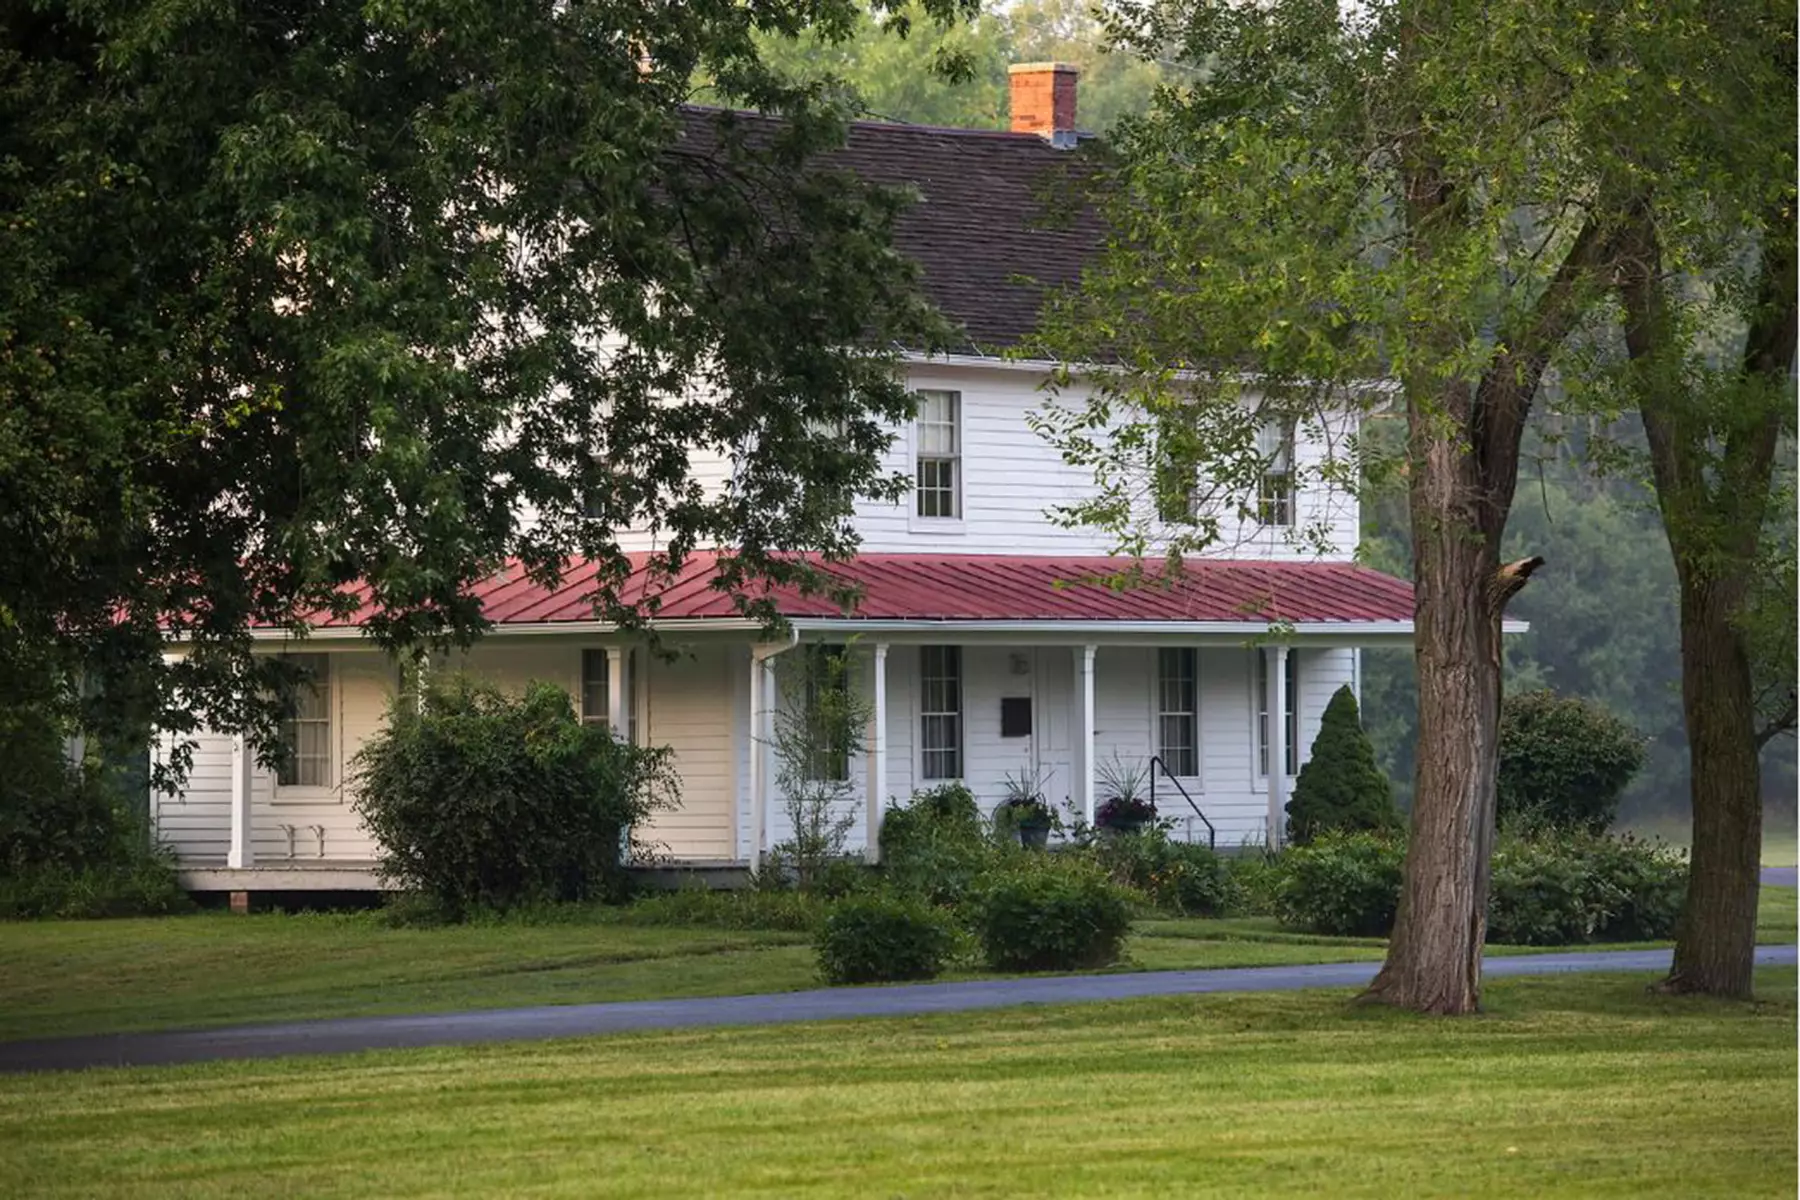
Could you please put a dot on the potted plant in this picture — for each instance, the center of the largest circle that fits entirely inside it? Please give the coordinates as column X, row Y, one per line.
column 1124, row 807
column 1025, row 810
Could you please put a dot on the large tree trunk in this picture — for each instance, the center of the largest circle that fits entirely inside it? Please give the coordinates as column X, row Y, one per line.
column 1460, row 592
column 1715, row 946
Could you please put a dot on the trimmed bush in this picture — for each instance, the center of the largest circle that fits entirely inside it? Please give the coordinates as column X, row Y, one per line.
column 883, row 939
column 1346, row 884
column 1564, row 763
column 1563, row 889
column 1178, row 877
column 1340, row 787
column 482, row 800
column 937, row 846
column 1057, row 916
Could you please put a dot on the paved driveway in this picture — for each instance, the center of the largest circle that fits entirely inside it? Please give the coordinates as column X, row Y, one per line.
column 1779, row 876
column 579, row 1020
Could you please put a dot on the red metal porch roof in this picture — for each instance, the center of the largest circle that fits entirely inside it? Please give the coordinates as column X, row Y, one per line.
column 984, row 587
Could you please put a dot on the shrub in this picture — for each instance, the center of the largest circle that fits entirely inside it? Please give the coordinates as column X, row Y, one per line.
column 883, row 939
column 1346, row 884
column 1177, row 876
column 70, row 844
column 749, row 909
column 1051, row 916
column 1564, row 762
column 1256, row 877
column 1340, row 787
column 1562, row 890
column 483, row 800
column 937, row 846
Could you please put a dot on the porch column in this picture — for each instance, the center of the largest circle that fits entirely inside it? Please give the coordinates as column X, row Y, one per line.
column 878, row 757
column 242, row 851
column 615, row 690
column 1084, row 779
column 1277, row 666
column 758, row 799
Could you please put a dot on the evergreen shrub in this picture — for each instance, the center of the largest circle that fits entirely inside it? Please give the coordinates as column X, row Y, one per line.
column 1340, row 787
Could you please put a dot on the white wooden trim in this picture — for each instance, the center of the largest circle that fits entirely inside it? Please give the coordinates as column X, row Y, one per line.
column 242, row 847
column 615, row 690
column 1084, row 682
column 878, row 766
column 1277, row 778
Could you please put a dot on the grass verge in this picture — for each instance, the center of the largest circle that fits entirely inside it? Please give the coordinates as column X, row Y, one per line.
column 1568, row 1086
column 73, row 977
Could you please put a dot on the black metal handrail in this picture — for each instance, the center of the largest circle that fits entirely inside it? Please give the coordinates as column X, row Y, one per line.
column 1157, row 764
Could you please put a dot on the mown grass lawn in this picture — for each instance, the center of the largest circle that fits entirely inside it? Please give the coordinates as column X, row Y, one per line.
column 1583, row 1086
column 71, row 977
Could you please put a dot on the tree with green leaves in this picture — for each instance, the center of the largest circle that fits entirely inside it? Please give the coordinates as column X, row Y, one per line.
column 318, row 307
column 1707, row 293
column 1393, row 193
column 1339, row 786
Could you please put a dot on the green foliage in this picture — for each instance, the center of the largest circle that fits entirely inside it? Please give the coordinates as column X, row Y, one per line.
column 1345, row 884
column 726, row 909
column 937, row 846
column 1340, row 787
column 482, row 800
column 819, row 725
column 143, row 885
column 956, row 75
column 1564, row 762
column 1178, row 877
column 883, row 939
column 1562, row 890
column 305, row 295
column 1051, row 913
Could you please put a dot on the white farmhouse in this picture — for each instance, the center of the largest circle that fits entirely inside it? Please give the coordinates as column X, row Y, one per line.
column 981, row 650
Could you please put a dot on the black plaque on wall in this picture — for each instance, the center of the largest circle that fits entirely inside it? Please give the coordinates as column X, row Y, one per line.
column 1015, row 716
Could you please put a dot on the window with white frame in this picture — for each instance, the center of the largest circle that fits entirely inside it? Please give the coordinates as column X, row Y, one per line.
column 938, row 453
column 1292, row 712
column 1176, row 484
column 1178, row 711
column 306, row 730
column 940, row 712
column 596, row 695
column 1275, row 488
column 827, row 691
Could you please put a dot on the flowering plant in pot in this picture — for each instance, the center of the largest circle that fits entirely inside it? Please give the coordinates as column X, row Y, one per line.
column 1025, row 810
column 1124, row 807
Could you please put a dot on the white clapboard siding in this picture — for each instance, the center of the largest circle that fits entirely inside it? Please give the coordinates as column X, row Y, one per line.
column 691, row 711
column 1011, row 478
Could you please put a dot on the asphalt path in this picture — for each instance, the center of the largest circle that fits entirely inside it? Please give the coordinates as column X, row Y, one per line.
column 354, row 1034
column 1779, row 876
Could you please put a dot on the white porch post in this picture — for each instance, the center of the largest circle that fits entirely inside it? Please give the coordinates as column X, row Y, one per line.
column 878, row 757
column 242, row 850
column 1277, row 667
column 615, row 690
column 1084, row 779
column 758, row 798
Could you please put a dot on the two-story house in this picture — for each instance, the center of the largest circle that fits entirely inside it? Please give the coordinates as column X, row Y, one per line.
column 979, row 648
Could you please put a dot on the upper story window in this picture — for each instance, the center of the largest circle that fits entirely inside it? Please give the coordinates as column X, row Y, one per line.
column 940, row 712
column 1275, row 490
column 1291, row 713
column 1178, row 711
column 306, row 730
column 937, row 477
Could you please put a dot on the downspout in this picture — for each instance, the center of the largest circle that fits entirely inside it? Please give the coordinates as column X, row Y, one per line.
column 762, row 708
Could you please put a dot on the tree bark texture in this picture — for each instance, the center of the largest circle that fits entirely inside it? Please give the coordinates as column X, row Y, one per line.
column 1715, row 943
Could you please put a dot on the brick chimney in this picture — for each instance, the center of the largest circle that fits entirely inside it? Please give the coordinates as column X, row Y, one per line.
column 1043, row 101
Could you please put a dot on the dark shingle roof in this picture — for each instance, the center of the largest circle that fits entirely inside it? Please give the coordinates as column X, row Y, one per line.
column 999, row 221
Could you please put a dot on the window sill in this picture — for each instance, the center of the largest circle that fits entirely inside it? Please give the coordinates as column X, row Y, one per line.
column 944, row 526
column 307, row 795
